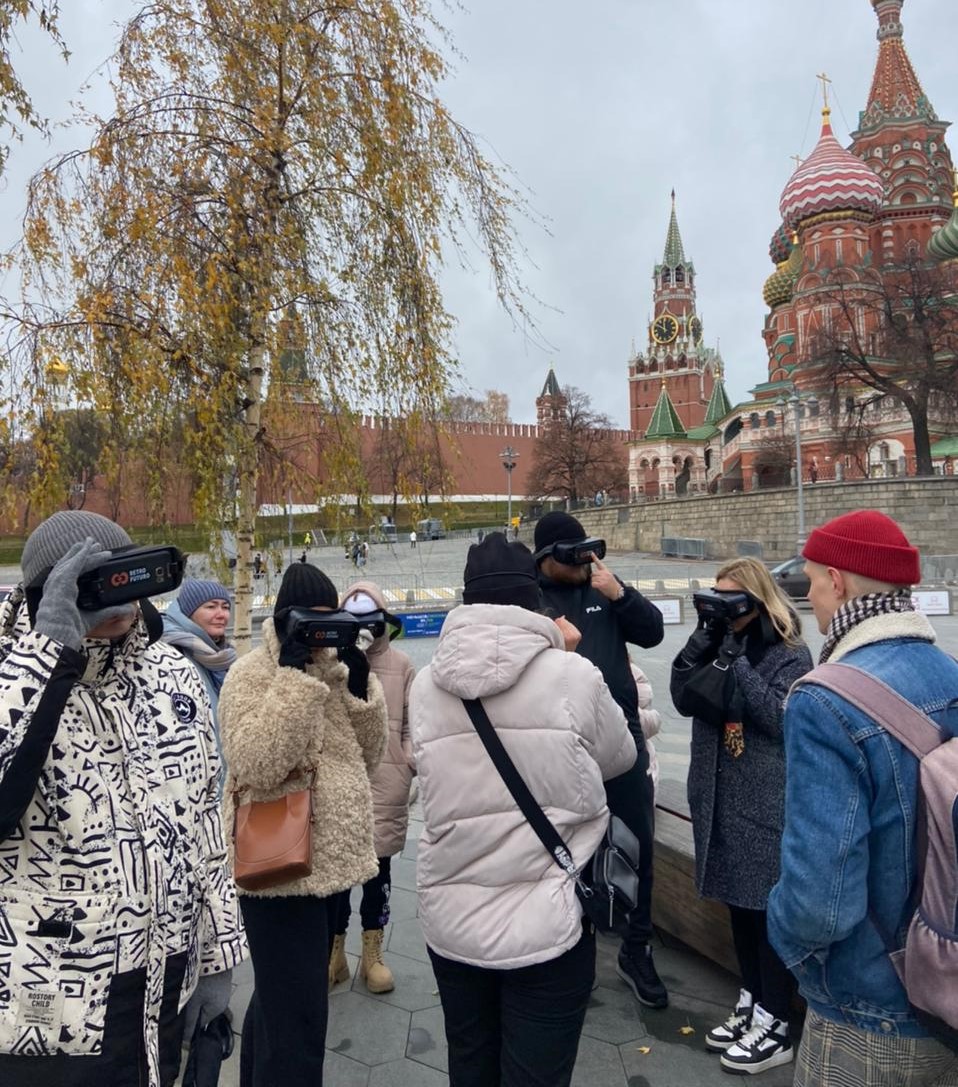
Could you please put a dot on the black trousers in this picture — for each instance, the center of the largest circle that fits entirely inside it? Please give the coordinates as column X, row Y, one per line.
column 122, row 1062
column 763, row 973
column 284, row 1032
column 631, row 797
column 515, row 1028
column 374, row 908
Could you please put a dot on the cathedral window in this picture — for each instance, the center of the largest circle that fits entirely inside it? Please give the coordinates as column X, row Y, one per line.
column 680, row 274
column 754, row 421
column 666, row 277
column 813, row 409
column 849, row 405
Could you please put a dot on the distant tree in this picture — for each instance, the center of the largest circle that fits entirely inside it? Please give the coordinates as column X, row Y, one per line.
column 16, row 106
column 576, row 456
column 463, row 408
column 261, row 156
column 896, row 334
column 83, row 433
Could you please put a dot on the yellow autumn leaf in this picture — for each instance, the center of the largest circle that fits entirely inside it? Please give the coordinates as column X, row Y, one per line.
column 645, row 1050
column 687, row 1029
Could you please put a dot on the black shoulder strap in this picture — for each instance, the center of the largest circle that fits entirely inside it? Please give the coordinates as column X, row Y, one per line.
column 536, row 817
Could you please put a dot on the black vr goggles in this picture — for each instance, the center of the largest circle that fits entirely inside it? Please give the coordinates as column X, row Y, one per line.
column 331, row 629
column 127, row 574
column 722, row 605
column 573, row 553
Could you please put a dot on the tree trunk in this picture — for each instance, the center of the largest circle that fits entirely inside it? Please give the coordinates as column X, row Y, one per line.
column 248, row 473
column 919, row 424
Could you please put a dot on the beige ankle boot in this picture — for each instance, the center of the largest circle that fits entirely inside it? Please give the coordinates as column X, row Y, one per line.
column 377, row 975
column 338, row 965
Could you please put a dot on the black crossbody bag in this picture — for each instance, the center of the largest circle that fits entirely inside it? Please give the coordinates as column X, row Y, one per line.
column 608, row 885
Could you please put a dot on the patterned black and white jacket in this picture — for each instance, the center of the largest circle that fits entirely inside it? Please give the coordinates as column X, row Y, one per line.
column 112, row 853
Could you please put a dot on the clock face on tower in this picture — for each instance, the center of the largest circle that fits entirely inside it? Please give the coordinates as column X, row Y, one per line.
column 665, row 328
column 695, row 330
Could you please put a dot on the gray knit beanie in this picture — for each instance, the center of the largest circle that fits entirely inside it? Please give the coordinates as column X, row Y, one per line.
column 54, row 537
column 194, row 592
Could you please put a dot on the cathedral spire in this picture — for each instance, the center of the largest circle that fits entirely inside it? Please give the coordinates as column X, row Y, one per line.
column 665, row 422
column 674, row 250
column 896, row 93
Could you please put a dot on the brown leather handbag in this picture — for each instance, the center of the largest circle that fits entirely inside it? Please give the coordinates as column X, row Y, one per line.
column 273, row 839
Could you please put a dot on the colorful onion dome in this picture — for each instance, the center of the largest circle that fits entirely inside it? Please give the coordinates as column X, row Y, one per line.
column 831, row 179
column 781, row 245
column 943, row 244
column 780, row 284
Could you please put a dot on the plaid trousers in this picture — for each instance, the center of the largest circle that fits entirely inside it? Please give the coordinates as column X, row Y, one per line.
column 838, row 1055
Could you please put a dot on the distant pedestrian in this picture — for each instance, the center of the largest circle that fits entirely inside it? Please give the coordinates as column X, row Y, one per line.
column 736, row 791
column 479, row 535
column 302, row 558
column 257, row 565
column 308, row 540
column 412, row 538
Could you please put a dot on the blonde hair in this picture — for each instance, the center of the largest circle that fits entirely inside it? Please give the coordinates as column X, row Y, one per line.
column 756, row 580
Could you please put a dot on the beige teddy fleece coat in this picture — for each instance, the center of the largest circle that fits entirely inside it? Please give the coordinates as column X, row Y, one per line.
column 274, row 720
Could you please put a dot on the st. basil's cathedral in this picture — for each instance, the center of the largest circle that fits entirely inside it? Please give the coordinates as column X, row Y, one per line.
column 852, row 217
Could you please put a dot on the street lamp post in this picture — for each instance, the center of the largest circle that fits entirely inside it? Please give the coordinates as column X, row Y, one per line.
column 795, row 402
column 508, row 457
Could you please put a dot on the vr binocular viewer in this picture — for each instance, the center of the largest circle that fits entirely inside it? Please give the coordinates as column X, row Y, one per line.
column 722, row 605
column 579, row 553
column 130, row 573
column 331, row 629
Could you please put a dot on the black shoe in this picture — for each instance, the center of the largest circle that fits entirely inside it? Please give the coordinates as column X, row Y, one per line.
column 638, row 972
column 734, row 1028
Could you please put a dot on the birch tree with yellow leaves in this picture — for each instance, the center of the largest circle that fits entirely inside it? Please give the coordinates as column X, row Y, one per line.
column 264, row 157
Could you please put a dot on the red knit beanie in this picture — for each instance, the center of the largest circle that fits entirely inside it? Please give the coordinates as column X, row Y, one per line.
column 867, row 543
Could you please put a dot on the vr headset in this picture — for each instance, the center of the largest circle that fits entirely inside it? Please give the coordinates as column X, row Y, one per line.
column 331, row 629
column 128, row 574
column 722, row 605
column 578, row 553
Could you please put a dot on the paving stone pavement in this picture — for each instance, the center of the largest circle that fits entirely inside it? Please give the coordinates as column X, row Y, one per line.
column 397, row 1040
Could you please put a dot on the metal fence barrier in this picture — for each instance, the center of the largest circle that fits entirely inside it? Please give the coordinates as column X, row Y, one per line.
column 684, row 548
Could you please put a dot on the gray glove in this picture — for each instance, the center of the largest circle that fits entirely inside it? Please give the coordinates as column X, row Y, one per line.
column 58, row 616
column 210, row 998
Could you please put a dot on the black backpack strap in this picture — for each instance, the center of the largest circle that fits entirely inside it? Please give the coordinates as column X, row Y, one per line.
column 534, row 814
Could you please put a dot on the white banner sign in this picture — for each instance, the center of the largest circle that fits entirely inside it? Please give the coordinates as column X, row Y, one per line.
column 671, row 609
column 932, row 601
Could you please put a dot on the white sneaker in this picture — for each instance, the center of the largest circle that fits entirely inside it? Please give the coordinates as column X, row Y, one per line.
column 734, row 1028
column 765, row 1045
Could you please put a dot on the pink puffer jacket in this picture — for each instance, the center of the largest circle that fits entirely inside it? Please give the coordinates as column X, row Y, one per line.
column 489, row 893
column 391, row 780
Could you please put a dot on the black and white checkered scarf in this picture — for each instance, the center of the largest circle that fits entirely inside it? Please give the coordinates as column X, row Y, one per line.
column 856, row 610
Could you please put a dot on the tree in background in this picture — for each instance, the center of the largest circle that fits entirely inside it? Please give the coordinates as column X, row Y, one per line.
column 577, row 455
column 262, row 155
column 897, row 335
column 463, row 408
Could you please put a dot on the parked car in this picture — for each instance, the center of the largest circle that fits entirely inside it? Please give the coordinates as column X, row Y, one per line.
column 791, row 577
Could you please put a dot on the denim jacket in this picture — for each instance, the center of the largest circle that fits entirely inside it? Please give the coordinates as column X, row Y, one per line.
column 848, row 849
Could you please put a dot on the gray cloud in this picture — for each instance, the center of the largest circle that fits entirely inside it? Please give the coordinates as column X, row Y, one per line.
column 601, row 111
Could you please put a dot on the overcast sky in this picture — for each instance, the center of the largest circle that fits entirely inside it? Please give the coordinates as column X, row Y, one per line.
column 601, row 110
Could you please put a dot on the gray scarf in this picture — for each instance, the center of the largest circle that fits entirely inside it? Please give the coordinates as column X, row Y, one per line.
column 859, row 608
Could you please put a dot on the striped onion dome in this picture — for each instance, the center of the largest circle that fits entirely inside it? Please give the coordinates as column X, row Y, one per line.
column 781, row 245
column 943, row 244
column 830, row 179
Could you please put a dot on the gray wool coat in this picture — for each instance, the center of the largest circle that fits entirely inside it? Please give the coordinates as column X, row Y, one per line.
column 738, row 804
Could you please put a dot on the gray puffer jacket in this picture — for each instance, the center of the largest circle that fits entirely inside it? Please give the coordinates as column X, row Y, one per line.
column 737, row 803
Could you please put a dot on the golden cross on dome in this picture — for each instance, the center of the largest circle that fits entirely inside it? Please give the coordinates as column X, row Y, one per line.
column 825, row 81
column 797, row 159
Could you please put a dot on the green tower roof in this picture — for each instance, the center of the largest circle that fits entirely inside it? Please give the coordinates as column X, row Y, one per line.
column 665, row 422
column 719, row 403
column 551, row 387
column 674, row 250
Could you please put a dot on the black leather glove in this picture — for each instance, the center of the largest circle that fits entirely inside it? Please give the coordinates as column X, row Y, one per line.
column 355, row 661
column 294, row 655
column 703, row 644
column 733, row 645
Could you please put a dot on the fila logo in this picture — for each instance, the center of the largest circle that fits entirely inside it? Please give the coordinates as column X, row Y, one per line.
column 594, row 607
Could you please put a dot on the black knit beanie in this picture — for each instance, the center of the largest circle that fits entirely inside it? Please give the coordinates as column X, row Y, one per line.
column 54, row 537
column 305, row 586
column 557, row 527
column 500, row 572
